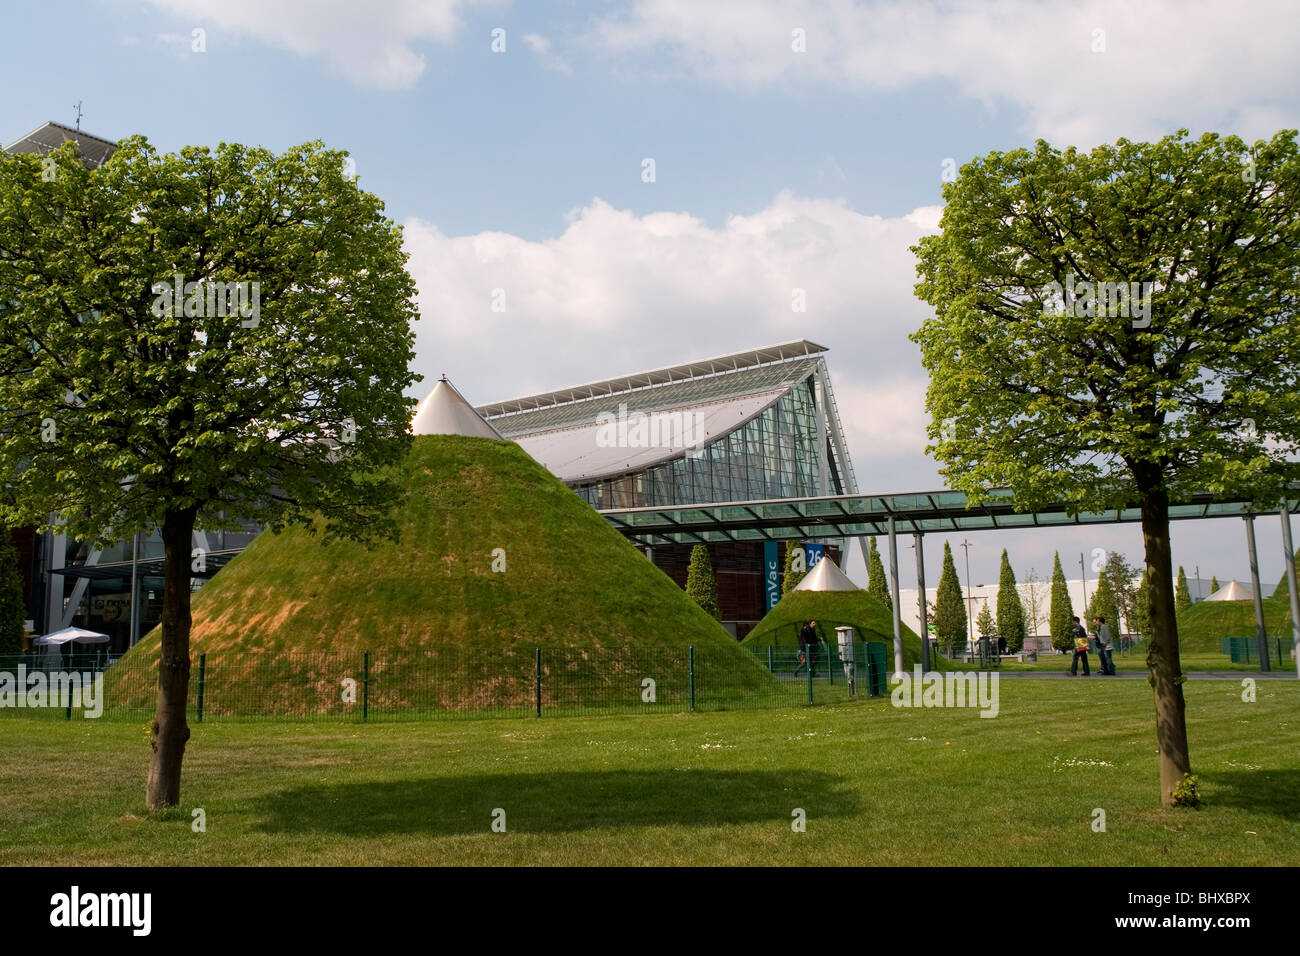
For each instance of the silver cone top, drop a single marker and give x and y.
(825, 576)
(1232, 591)
(444, 411)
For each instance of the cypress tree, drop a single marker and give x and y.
(949, 607)
(984, 622)
(1062, 613)
(877, 585)
(1011, 613)
(1103, 603)
(13, 612)
(1182, 597)
(1142, 608)
(792, 575)
(701, 585)
(1214, 584)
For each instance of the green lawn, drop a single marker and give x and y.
(879, 785)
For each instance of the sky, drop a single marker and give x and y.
(793, 146)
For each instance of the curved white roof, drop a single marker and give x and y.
(629, 440)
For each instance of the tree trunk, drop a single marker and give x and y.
(1166, 677)
(170, 730)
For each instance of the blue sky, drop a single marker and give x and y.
(775, 168)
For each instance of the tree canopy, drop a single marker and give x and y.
(194, 339)
(1115, 329)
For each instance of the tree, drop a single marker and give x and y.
(1103, 602)
(13, 612)
(1033, 592)
(877, 585)
(1120, 574)
(984, 622)
(949, 607)
(1061, 615)
(1115, 329)
(1182, 597)
(796, 568)
(1011, 615)
(193, 339)
(1214, 584)
(701, 585)
(1142, 608)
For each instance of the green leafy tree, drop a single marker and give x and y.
(1103, 603)
(1011, 613)
(1214, 584)
(984, 622)
(1061, 615)
(949, 608)
(1142, 608)
(268, 387)
(701, 584)
(1182, 596)
(877, 585)
(13, 612)
(1120, 574)
(1117, 329)
(796, 568)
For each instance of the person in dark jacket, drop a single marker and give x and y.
(1104, 645)
(808, 646)
(1080, 650)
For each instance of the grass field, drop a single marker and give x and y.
(879, 785)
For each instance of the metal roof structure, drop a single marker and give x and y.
(719, 365)
(50, 136)
(826, 576)
(853, 515)
(444, 411)
(1232, 591)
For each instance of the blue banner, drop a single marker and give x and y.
(771, 573)
(813, 554)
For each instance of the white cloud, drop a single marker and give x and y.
(372, 43)
(1167, 63)
(541, 47)
(615, 292)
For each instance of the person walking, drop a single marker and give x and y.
(1080, 650)
(1104, 645)
(808, 646)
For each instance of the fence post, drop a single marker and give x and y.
(537, 679)
(203, 667)
(769, 660)
(808, 660)
(365, 686)
(690, 672)
(830, 669)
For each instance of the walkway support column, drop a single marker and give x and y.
(1260, 633)
(1291, 583)
(900, 663)
(925, 621)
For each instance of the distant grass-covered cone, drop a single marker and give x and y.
(495, 558)
(858, 609)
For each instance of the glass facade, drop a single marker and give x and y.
(774, 455)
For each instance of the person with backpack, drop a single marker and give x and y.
(1080, 650)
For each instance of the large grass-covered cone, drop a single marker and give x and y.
(496, 558)
(858, 609)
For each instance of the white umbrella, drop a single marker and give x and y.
(77, 634)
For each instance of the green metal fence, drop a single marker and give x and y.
(1245, 650)
(524, 681)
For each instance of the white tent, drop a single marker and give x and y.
(71, 634)
(825, 576)
(1232, 591)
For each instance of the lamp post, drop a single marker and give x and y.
(970, 605)
(1084, 571)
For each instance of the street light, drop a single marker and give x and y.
(970, 607)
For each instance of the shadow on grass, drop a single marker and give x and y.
(557, 802)
(1257, 791)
